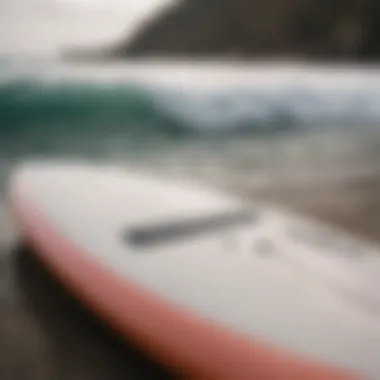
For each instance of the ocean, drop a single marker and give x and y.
(246, 127)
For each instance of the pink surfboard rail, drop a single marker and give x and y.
(190, 346)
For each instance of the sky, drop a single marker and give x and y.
(138, 6)
(44, 27)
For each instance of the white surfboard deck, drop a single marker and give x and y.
(258, 271)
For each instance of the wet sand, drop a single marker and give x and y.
(352, 206)
(44, 334)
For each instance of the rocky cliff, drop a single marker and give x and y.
(346, 30)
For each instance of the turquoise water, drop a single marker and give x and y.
(214, 123)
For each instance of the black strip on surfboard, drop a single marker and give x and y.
(145, 236)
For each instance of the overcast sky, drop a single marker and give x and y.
(132, 5)
(45, 26)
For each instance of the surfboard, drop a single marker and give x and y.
(210, 285)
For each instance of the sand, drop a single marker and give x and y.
(352, 206)
(44, 334)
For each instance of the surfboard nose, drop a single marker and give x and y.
(23, 176)
(27, 176)
(38, 180)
